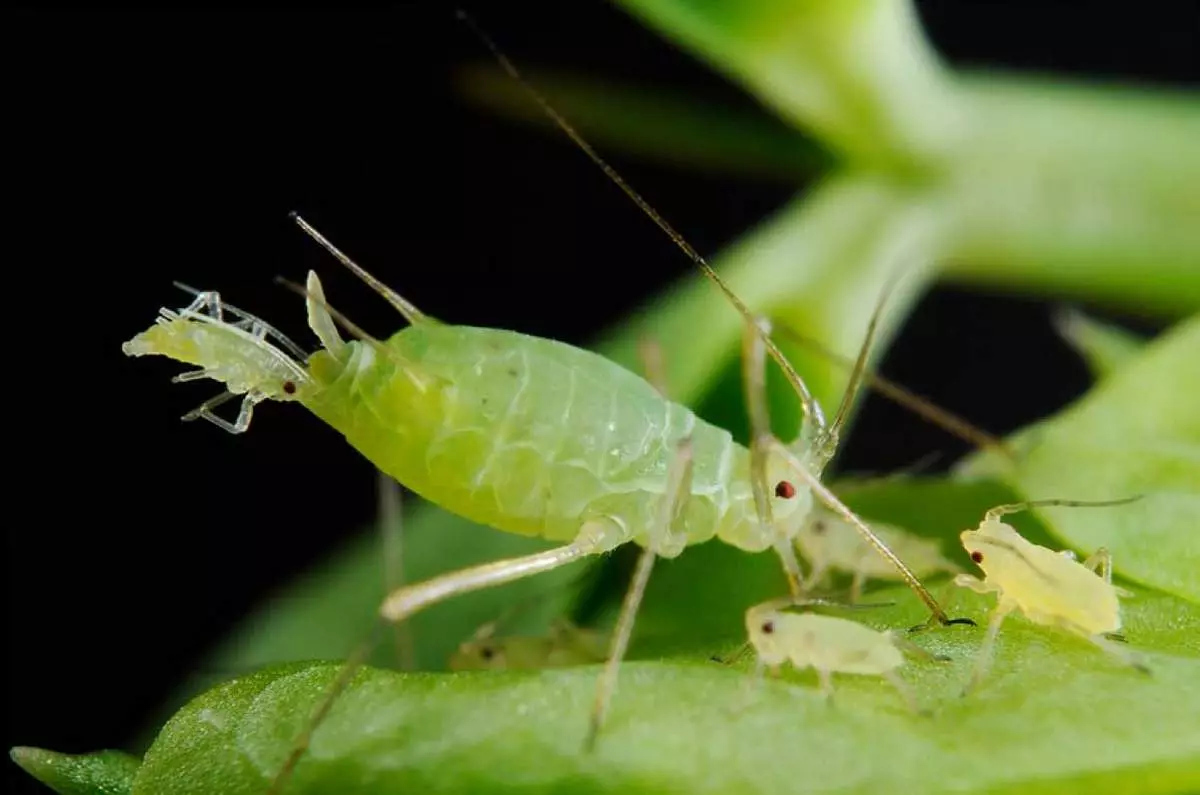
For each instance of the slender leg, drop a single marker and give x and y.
(901, 688)
(1130, 658)
(1101, 563)
(679, 484)
(826, 679)
(815, 577)
(403, 603)
(239, 425)
(391, 528)
(856, 586)
(984, 658)
(908, 647)
(679, 479)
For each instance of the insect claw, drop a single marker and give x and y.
(968, 621)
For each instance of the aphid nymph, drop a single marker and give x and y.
(828, 645)
(1049, 588)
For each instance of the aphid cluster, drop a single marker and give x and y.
(536, 437)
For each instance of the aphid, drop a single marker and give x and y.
(828, 645)
(565, 644)
(534, 437)
(1050, 588)
(830, 544)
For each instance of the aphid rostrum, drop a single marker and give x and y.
(1050, 588)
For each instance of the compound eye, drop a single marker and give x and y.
(784, 490)
(289, 387)
(768, 627)
(487, 652)
(977, 556)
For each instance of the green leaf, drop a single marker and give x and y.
(1136, 433)
(1105, 347)
(1056, 714)
(653, 123)
(100, 773)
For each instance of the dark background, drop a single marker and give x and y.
(147, 147)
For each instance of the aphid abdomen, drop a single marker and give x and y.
(528, 435)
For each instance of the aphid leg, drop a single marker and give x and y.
(595, 537)
(856, 586)
(391, 529)
(905, 693)
(679, 483)
(826, 679)
(754, 373)
(816, 576)
(1130, 658)
(984, 658)
(908, 647)
(1100, 562)
(239, 425)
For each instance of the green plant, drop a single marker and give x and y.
(997, 181)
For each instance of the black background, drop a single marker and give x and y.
(147, 147)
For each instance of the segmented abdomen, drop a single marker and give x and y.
(537, 437)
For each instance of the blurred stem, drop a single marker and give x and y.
(858, 73)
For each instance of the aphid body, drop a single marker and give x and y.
(1049, 588)
(830, 543)
(565, 644)
(524, 434)
(828, 645)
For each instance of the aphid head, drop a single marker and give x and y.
(478, 655)
(992, 539)
(763, 628)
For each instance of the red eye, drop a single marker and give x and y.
(785, 490)
(977, 557)
(289, 387)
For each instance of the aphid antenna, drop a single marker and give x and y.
(1016, 507)
(810, 406)
(400, 303)
(923, 407)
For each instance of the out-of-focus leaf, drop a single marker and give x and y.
(687, 724)
(1105, 347)
(654, 123)
(101, 773)
(1136, 433)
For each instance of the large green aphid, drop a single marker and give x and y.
(524, 434)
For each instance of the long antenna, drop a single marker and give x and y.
(810, 406)
(930, 411)
(401, 304)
